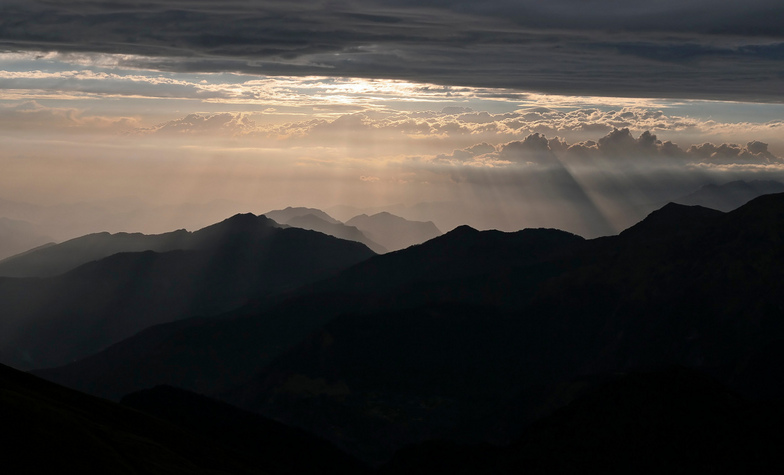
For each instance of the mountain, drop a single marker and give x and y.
(668, 420)
(59, 258)
(278, 448)
(731, 195)
(339, 230)
(474, 335)
(283, 216)
(161, 430)
(51, 429)
(317, 220)
(122, 214)
(688, 286)
(52, 321)
(214, 355)
(19, 236)
(394, 232)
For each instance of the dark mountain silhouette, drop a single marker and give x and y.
(394, 232)
(472, 336)
(707, 296)
(55, 320)
(211, 356)
(731, 195)
(672, 221)
(283, 216)
(51, 429)
(278, 448)
(670, 420)
(19, 236)
(161, 430)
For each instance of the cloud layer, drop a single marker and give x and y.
(689, 48)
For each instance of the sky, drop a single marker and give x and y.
(576, 114)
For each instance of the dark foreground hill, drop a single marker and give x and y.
(277, 448)
(472, 336)
(52, 321)
(51, 429)
(671, 420)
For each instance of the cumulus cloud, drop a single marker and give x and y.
(617, 147)
(754, 152)
(512, 138)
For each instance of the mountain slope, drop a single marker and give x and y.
(473, 335)
(688, 286)
(669, 420)
(277, 448)
(19, 236)
(55, 320)
(283, 216)
(394, 232)
(211, 356)
(339, 230)
(53, 429)
(731, 195)
(59, 258)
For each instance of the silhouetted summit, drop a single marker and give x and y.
(671, 220)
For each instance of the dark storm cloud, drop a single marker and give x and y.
(688, 48)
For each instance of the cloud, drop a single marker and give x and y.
(615, 149)
(754, 152)
(687, 48)
(196, 124)
(32, 116)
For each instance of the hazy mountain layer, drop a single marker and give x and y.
(394, 232)
(283, 216)
(731, 195)
(55, 320)
(60, 258)
(19, 236)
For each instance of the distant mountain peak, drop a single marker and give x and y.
(731, 195)
(283, 216)
(462, 229)
(394, 232)
(673, 218)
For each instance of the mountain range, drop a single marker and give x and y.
(484, 349)
(381, 232)
(54, 320)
